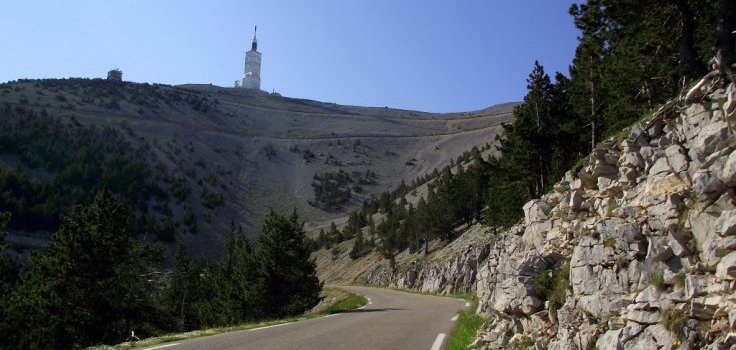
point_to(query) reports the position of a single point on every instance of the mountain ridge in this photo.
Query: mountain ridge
(247, 151)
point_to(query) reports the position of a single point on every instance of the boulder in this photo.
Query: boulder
(726, 269)
(709, 138)
(676, 158)
(576, 199)
(661, 335)
(535, 210)
(729, 171)
(642, 316)
(707, 185)
(610, 341)
(728, 227)
(703, 308)
(632, 160)
(660, 168)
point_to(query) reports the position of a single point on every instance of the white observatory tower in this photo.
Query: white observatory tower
(252, 72)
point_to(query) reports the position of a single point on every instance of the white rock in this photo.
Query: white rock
(632, 160)
(726, 269)
(703, 308)
(610, 341)
(694, 286)
(676, 158)
(576, 199)
(708, 139)
(729, 171)
(649, 295)
(707, 185)
(535, 210)
(562, 186)
(677, 243)
(728, 228)
(642, 317)
(660, 168)
(661, 335)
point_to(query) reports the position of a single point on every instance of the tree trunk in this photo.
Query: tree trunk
(725, 38)
(690, 62)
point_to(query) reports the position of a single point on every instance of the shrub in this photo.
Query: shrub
(609, 242)
(551, 285)
(673, 319)
(657, 281)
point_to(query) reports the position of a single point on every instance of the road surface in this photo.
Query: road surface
(391, 320)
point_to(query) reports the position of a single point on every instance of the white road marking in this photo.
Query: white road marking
(467, 304)
(273, 326)
(454, 318)
(330, 315)
(162, 346)
(437, 345)
(366, 305)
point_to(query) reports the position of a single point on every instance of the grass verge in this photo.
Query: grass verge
(345, 301)
(468, 324)
(338, 300)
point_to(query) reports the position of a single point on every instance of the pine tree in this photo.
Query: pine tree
(360, 248)
(182, 292)
(88, 286)
(290, 284)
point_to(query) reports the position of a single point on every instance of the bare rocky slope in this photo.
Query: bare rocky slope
(258, 150)
(639, 241)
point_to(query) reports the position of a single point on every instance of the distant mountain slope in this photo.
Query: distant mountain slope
(240, 152)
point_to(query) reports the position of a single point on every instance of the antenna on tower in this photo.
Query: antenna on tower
(254, 44)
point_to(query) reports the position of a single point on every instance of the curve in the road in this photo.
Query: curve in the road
(390, 320)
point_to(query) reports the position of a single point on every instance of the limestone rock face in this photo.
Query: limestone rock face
(644, 236)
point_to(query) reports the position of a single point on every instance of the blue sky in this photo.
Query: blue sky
(436, 56)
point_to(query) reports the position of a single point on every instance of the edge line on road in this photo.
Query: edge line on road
(272, 326)
(454, 318)
(162, 346)
(437, 345)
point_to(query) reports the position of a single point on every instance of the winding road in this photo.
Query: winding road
(391, 320)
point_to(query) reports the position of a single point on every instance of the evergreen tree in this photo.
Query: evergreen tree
(360, 247)
(88, 286)
(290, 284)
(182, 293)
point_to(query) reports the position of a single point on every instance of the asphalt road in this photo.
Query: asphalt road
(391, 320)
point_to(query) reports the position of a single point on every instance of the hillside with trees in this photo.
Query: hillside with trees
(190, 160)
(630, 59)
(95, 282)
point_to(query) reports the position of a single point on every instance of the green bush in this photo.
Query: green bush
(657, 281)
(551, 284)
(674, 319)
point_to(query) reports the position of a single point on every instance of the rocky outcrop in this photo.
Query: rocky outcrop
(454, 268)
(647, 229)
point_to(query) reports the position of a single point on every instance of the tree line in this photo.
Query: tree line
(95, 283)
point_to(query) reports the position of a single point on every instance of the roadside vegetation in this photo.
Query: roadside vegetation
(336, 301)
(468, 324)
